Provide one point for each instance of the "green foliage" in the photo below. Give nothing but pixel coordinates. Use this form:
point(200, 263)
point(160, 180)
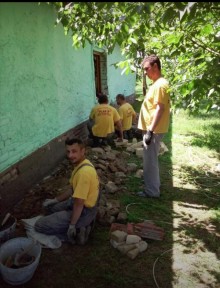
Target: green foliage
point(184, 34)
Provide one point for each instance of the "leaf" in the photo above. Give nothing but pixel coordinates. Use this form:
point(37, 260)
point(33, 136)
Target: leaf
point(180, 5)
point(168, 15)
point(133, 40)
point(206, 30)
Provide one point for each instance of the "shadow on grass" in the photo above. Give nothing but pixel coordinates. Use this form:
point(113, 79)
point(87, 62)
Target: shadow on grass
point(160, 211)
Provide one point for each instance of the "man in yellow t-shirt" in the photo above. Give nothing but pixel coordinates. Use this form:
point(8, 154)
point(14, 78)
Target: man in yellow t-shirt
point(127, 115)
point(154, 122)
point(105, 118)
point(72, 213)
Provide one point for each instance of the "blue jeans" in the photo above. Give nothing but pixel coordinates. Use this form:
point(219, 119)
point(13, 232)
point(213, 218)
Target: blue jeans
point(57, 222)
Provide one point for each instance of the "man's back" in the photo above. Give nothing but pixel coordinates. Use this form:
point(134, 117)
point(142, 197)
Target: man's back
point(104, 117)
point(126, 113)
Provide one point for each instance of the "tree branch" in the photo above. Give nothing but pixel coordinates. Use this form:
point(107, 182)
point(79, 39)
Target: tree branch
point(204, 47)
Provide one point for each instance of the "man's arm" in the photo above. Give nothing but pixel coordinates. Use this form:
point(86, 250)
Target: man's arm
point(77, 210)
point(148, 135)
point(158, 113)
point(119, 127)
point(65, 195)
point(134, 118)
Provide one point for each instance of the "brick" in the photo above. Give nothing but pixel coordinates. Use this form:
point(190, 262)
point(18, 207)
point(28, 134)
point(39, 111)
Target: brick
point(118, 226)
point(133, 253)
point(149, 230)
point(118, 236)
point(124, 248)
point(115, 244)
point(132, 239)
point(146, 230)
point(142, 246)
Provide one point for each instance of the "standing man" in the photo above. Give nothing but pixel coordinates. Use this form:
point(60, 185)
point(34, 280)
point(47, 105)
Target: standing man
point(154, 122)
point(105, 118)
point(127, 114)
point(72, 213)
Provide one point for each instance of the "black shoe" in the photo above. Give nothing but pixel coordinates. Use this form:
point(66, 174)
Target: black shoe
point(143, 194)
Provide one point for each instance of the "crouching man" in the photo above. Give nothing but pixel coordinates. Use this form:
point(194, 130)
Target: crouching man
point(72, 213)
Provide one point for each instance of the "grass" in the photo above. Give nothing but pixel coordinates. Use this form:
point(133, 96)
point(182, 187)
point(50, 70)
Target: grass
point(190, 190)
point(188, 210)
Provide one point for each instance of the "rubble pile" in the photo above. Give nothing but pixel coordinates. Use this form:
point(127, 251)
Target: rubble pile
point(113, 169)
point(130, 245)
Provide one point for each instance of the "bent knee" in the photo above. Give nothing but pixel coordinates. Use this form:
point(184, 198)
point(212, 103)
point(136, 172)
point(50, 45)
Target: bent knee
point(39, 226)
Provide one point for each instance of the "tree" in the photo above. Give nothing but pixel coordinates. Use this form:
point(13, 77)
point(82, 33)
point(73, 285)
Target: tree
point(186, 36)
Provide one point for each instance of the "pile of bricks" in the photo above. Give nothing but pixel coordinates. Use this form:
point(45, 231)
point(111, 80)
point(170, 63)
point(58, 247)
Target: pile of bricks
point(146, 229)
point(130, 245)
point(127, 238)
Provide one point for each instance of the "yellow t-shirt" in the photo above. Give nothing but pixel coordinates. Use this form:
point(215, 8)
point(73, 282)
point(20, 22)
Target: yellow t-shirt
point(157, 93)
point(104, 117)
point(126, 113)
point(85, 183)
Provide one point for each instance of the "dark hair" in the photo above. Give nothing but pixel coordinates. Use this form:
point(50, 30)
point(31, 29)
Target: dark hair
point(72, 141)
point(120, 96)
point(103, 99)
point(152, 59)
point(98, 94)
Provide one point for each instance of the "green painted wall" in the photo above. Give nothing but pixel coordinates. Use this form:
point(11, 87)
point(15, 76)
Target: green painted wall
point(46, 86)
point(118, 83)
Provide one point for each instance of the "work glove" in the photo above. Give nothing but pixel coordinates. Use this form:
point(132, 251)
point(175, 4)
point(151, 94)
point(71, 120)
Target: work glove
point(49, 202)
point(71, 233)
point(147, 137)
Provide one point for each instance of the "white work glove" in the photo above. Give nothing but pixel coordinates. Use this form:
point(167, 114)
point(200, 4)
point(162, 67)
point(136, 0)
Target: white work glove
point(71, 233)
point(48, 202)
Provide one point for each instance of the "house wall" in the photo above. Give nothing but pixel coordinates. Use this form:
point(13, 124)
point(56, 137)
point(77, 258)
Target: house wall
point(47, 87)
point(47, 90)
point(118, 82)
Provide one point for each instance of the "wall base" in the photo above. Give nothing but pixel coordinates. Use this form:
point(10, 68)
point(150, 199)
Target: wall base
point(19, 178)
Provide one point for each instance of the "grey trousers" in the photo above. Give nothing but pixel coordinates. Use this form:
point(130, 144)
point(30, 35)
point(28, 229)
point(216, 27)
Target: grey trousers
point(57, 222)
point(151, 167)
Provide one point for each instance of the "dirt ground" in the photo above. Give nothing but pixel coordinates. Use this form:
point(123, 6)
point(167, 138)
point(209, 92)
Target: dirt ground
point(187, 257)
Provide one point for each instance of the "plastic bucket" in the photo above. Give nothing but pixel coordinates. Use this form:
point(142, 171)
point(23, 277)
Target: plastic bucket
point(21, 275)
point(7, 231)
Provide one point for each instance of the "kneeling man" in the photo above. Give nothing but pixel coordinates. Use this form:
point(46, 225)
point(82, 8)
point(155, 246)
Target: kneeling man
point(72, 213)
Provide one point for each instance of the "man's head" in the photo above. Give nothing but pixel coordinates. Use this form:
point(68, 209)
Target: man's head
point(152, 67)
point(103, 99)
point(120, 99)
point(75, 150)
point(98, 94)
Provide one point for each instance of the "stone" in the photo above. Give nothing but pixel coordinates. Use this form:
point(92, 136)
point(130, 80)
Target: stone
point(142, 246)
point(98, 150)
point(124, 248)
point(121, 144)
point(115, 244)
point(122, 217)
point(110, 156)
point(133, 239)
point(111, 187)
point(163, 148)
point(118, 236)
point(132, 167)
point(139, 173)
point(139, 152)
point(120, 175)
point(133, 253)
